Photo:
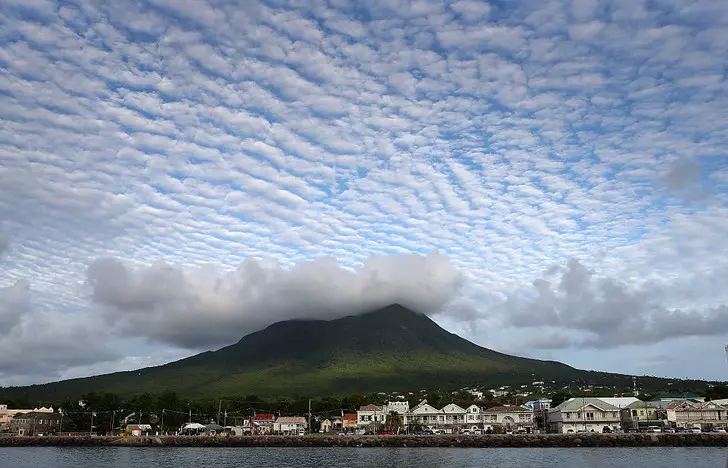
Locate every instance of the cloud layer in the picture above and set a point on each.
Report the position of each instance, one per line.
(207, 307)
(604, 312)
(509, 136)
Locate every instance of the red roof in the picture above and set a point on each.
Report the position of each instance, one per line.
(264, 417)
(350, 417)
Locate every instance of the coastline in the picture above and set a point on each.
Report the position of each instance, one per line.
(485, 441)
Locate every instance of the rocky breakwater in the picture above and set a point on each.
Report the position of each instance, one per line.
(485, 441)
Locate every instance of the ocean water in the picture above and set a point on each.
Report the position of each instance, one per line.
(163, 457)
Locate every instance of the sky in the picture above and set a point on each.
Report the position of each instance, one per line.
(547, 178)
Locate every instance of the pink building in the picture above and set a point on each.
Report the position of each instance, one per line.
(7, 415)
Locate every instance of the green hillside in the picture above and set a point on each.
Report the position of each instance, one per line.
(391, 349)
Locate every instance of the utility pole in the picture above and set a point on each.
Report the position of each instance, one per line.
(219, 407)
(111, 424)
(161, 426)
(190, 415)
(309, 416)
(91, 430)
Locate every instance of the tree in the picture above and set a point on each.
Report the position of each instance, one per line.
(393, 421)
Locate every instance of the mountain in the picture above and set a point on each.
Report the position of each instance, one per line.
(390, 349)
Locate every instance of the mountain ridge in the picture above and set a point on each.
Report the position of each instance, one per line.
(388, 349)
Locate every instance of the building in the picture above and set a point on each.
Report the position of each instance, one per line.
(331, 424)
(452, 419)
(509, 418)
(36, 423)
(262, 423)
(290, 425)
(640, 415)
(423, 416)
(473, 418)
(669, 398)
(539, 405)
(587, 414)
(138, 429)
(371, 418)
(702, 414)
(7, 415)
(400, 407)
(349, 422)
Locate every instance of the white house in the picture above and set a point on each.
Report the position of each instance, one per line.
(399, 407)
(509, 417)
(473, 418)
(423, 414)
(290, 425)
(586, 415)
(452, 418)
(371, 417)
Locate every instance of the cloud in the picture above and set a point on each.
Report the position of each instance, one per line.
(4, 244)
(207, 306)
(43, 345)
(14, 303)
(600, 312)
(683, 176)
(511, 136)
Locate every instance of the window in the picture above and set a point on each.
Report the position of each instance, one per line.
(568, 415)
(590, 416)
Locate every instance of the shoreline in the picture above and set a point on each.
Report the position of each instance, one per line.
(484, 441)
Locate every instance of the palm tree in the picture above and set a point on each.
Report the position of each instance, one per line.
(394, 421)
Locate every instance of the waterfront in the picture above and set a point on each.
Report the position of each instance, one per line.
(129, 457)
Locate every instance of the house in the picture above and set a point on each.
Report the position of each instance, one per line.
(7, 415)
(35, 423)
(290, 425)
(643, 414)
(585, 414)
(331, 424)
(703, 414)
(137, 429)
(371, 417)
(423, 415)
(473, 418)
(452, 419)
(262, 423)
(400, 407)
(509, 417)
(349, 422)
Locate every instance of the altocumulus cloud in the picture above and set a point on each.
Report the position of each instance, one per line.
(507, 135)
(208, 306)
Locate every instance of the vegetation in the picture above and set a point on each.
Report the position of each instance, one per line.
(392, 349)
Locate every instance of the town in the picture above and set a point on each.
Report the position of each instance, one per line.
(489, 412)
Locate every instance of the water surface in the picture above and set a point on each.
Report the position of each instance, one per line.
(166, 457)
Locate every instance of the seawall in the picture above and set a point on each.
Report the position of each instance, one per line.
(521, 441)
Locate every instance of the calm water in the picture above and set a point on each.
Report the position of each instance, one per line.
(128, 457)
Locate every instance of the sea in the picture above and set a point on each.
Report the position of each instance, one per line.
(162, 457)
